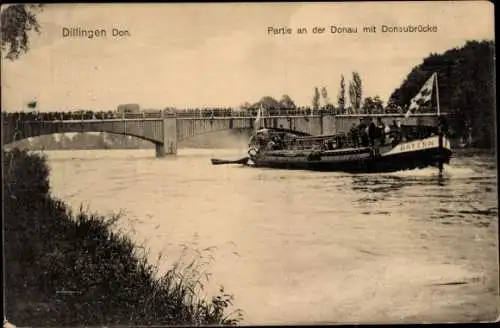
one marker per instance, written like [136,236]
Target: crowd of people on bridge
[190,112]
[76,115]
[54,116]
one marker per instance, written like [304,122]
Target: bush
[65,269]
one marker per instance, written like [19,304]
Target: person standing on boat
[381,131]
[395,132]
[372,132]
[354,135]
[329,144]
[393,125]
[280,143]
[443,125]
[363,133]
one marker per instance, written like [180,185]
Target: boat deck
[306,152]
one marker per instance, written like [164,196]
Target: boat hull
[406,156]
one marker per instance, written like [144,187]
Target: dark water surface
[305,247]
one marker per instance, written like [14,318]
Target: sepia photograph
[193,164]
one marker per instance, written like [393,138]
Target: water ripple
[302,237]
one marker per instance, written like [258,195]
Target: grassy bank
[65,269]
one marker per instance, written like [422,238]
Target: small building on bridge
[128,108]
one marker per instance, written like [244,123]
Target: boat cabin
[276,139]
[269,139]
[324,142]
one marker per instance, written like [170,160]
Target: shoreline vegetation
[77,269]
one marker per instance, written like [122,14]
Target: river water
[307,247]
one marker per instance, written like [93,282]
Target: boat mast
[440,132]
[264,112]
[263,115]
[437,95]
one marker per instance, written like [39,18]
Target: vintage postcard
[249,163]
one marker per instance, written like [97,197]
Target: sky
[221,55]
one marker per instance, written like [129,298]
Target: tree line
[322,101]
[466,85]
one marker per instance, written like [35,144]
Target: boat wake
[448,171]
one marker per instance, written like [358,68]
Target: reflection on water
[305,247]
[376,188]
[456,194]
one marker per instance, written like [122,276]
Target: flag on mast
[258,118]
[423,97]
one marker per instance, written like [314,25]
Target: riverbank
[66,269]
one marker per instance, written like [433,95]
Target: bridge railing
[194,113]
[75,116]
[249,113]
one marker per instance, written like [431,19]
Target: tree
[367,107]
[17,21]
[246,105]
[373,105]
[324,95]
[466,89]
[393,108]
[341,97]
[268,103]
[316,97]
[287,103]
[352,97]
[355,92]
[378,105]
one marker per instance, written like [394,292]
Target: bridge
[166,131]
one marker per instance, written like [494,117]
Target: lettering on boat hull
[428,143]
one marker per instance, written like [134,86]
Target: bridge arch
[25,137]
[149,131]
[191,127]
[190,136]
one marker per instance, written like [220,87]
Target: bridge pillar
[160,150]
[169,134]
[328,124]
